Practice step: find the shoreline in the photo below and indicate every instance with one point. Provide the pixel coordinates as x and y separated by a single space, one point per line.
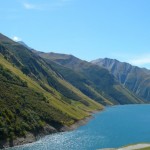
138 146
30 138
48 130
81 122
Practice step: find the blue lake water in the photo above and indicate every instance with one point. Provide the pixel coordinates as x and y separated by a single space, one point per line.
114 127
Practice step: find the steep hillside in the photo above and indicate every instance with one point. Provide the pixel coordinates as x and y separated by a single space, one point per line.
91 79
43 93
134 78
34 96
23 110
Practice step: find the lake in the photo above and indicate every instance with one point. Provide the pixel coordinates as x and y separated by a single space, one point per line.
114 127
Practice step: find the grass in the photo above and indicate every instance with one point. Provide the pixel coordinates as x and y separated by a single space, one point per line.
25 106
36 92
95 82
55 101
147 148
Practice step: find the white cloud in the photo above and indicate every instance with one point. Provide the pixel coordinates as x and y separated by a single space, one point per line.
141 60
16 39
45 6
30 6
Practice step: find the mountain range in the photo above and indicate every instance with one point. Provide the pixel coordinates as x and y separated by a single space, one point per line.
43 93
133 78
94 81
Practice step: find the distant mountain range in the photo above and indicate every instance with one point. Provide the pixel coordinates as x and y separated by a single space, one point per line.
94 81
134 78
42 93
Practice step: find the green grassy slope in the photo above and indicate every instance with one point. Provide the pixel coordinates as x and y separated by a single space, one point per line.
38 70
33 94
91 79
147 148
54 89
80 82
23 109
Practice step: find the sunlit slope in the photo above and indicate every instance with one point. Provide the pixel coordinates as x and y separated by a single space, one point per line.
41 72
33 94
92 80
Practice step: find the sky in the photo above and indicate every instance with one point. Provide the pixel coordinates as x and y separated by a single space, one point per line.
88 29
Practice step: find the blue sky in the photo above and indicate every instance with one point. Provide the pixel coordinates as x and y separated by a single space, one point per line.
88 29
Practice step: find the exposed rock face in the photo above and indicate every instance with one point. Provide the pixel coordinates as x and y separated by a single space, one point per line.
134 78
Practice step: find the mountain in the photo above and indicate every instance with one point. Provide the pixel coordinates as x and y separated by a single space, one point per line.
43 93
92 80
34 98
24 44
134 78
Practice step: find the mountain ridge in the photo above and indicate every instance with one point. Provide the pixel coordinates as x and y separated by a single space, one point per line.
47 100
85 68
134 78
51 92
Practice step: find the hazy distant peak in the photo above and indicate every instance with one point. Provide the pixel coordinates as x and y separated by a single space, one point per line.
24 44
108 62
134 78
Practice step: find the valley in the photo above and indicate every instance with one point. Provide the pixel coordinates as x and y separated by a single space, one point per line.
44 93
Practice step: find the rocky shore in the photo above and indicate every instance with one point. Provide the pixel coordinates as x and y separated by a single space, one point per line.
30 138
